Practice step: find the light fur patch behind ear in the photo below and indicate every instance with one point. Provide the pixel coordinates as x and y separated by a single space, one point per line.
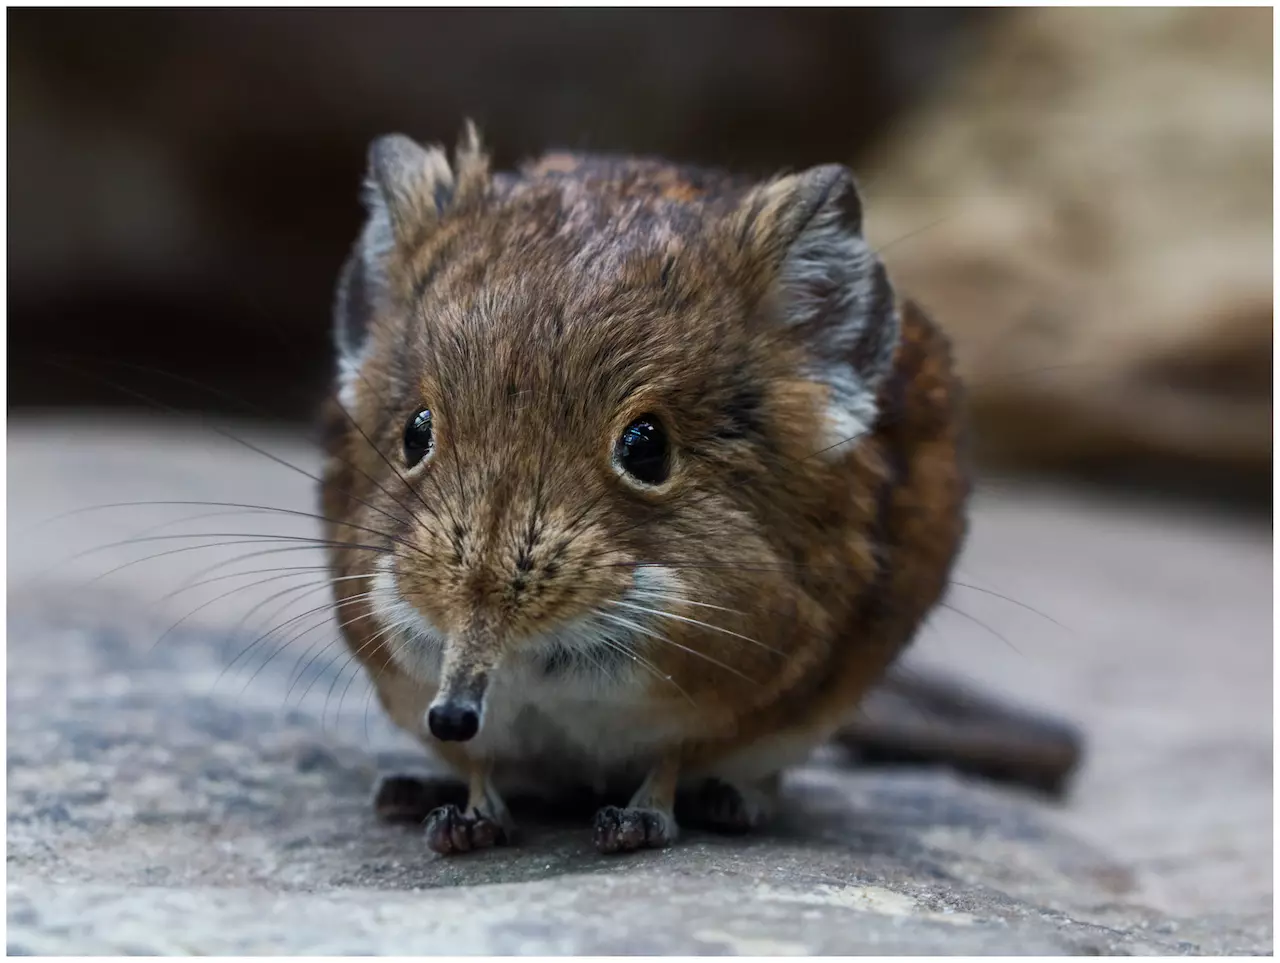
833 291
844 427
348 376
828 281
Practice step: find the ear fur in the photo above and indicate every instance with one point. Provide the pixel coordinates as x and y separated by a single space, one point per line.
829 287
407 190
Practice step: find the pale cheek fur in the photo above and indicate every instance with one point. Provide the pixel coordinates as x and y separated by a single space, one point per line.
418 644
560 727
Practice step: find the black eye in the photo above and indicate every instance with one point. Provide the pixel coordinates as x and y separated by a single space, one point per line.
642 451
418 441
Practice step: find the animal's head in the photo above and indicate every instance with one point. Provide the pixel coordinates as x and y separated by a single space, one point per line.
598 407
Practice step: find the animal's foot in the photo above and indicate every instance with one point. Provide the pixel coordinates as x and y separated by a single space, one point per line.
626 830
722 807
410 799
450 830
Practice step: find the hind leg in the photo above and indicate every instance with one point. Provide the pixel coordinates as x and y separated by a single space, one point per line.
410 799
723 806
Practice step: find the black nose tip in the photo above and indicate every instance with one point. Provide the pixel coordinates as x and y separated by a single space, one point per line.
453 722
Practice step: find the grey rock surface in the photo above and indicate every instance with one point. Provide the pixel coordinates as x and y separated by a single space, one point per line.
197 789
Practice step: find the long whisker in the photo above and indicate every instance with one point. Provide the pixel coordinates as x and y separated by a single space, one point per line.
297 635
428 332
337 606
714 492
248 509
629 653
304 631
295 679
396 649
305 589
351 658
690 621
662 638
979 622
239 538
246 556
299 569
829 567
333 641
395 471
301 615
218 598
240 441
645 594
354 655
1011 601
298 591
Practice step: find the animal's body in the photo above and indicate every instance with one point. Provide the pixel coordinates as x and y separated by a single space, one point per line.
639 476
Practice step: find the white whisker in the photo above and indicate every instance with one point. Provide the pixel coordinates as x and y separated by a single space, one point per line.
645 594
619 647
684 648
705 625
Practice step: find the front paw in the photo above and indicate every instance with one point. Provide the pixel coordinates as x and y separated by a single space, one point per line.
626 830
450 830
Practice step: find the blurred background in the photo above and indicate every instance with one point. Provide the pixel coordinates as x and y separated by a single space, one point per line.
1082 197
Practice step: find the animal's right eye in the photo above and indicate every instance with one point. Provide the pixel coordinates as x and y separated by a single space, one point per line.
418 438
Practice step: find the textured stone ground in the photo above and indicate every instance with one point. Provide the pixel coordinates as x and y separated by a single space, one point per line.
163 798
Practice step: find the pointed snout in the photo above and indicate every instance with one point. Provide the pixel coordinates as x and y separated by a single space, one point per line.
457 712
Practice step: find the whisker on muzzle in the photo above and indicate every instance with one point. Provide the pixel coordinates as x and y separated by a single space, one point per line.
692 621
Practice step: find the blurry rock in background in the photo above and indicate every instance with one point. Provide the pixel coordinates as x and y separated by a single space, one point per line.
1086 205
1081 197
185 183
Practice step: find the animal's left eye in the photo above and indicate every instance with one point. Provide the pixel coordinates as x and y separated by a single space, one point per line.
642 451
418 438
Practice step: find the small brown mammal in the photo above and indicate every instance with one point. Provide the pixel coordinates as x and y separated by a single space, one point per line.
639 477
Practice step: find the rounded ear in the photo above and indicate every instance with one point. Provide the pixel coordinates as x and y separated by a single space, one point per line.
805 232
411 185
408 188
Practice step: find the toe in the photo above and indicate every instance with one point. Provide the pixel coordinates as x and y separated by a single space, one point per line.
450 830
485 832
439 829
655 828
460 835
607 829
632 830
626 830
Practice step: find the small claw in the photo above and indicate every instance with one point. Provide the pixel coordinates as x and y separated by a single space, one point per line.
450 831
620 830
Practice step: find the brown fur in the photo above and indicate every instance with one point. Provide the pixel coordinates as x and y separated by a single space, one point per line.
536 315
